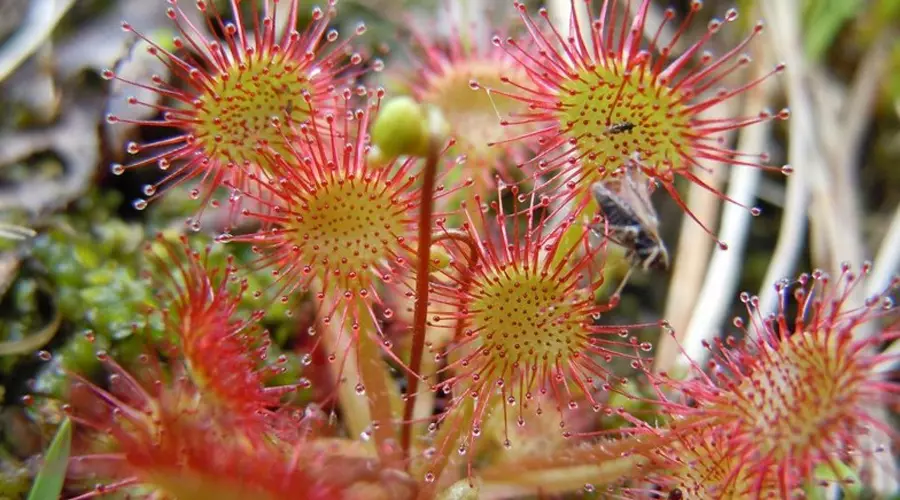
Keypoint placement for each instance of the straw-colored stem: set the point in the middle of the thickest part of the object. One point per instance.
(723, 274)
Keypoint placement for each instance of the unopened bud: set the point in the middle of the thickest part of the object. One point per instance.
(401, 128)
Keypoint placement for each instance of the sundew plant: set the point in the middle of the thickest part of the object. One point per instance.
(410, 267)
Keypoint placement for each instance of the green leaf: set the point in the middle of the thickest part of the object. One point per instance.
(824, 20)
(836, 472)
(49, 482)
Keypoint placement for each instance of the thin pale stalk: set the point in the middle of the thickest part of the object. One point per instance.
(445, 440)
(359, 362)
(799, 189)
(454, 426)
(557, 481)
(887, 260)
(561, 13)
(42, 18)
(806, 144)
(692, 257)
(791, 239)
(380, 391)
(570, 469)
(354, 410)
(720, 285)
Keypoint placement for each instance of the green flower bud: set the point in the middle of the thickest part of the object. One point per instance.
(401, 128)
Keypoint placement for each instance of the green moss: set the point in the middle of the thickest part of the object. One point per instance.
(94, 261)
(14, 477)
(94, 272)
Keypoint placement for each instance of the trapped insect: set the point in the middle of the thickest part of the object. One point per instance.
(620, 128)
(629, 220)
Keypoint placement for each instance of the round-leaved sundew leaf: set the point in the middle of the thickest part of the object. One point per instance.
(234, 97)
(599, 97)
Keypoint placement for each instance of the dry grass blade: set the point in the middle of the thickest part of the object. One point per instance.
(42, 17)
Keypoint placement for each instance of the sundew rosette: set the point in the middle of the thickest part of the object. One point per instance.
(333, 222)
(193, 415)
(224, 351)
(795, 402)
(600, 96)
(150, 433)
(527, 335)
(225, 93)
(699, 464)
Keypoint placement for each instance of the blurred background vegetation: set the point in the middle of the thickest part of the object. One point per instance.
(81, 271)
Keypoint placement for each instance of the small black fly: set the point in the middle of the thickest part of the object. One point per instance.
(620, 128)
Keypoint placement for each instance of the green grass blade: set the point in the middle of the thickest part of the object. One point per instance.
(49, 482)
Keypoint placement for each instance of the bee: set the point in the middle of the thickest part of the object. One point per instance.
(620, 128)
(675, 494)
(629, 220)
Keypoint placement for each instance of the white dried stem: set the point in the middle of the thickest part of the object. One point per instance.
(791, 239)
(692, 258)
(885, 267)
(783, 16)
(722, 276)
(887, 260)
(42, 18)
(561, 14)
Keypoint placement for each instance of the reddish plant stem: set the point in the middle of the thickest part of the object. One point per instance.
(472, 258)
(457, 235)
(420, 314)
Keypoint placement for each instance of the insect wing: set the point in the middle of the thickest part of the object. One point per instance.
(649, 245)
(630, 220)
(614, 208)
(634, 192)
